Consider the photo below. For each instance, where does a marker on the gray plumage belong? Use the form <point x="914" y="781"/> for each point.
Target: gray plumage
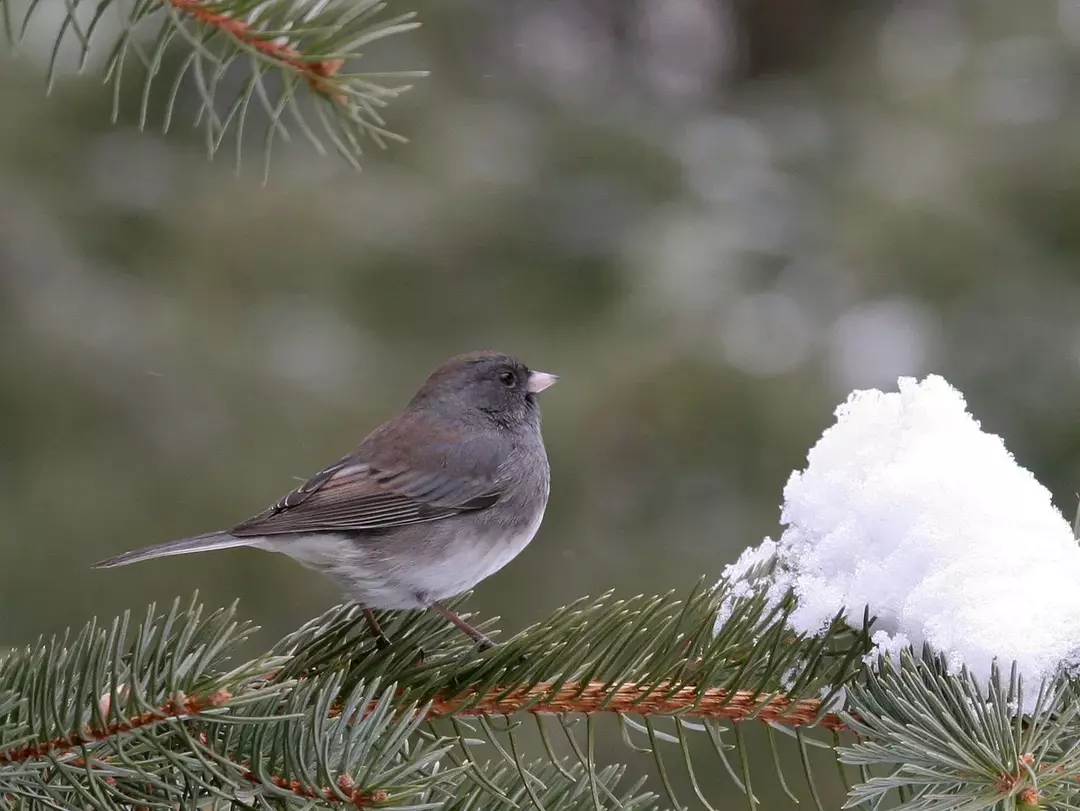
<point x="428" y="505"/>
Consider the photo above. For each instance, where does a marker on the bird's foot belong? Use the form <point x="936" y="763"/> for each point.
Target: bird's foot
<point x="482" y="641"/>
<point x="382" y="641"/>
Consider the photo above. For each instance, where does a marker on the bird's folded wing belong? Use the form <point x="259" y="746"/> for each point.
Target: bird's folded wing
<point x="353" y="496"/>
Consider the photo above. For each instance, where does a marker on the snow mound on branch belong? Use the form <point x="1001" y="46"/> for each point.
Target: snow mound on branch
<point x="907" y="506"/>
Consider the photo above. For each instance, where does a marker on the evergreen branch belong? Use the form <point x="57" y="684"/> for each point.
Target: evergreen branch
<point x="300" y="752"/>
<point x="286" y="750"/>
<point x="659" y="645"/>
<point x="119" y="680"/>
<point x="354" y="796"/>
<point x="318" y="73"/>
<point x="297" y="43"/>
<point x="155" y="716"/>
<point x="951" y="743"/>
<point x="645" y="656"/>
<point x="549" y="787"/>
<point x="598" y="698"/>
<point x="87" y="711"/>
<point x="177" y="707"/>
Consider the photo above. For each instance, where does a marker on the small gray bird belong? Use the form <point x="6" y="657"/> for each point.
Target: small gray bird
<point x="429" y="504"/>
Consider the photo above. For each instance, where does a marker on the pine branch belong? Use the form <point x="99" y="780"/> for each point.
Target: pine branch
<point x="948" y="741"/>
<point x="656" y="657"/>
<point x="154" y="714"/>
<point x="177" y="707"/>
<point x="597" y="697"/>
<point x="289" y="57"/>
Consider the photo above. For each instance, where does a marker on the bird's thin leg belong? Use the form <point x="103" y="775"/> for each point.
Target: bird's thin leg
<point x="382" y="641"/>
<point x="481" y="640"/>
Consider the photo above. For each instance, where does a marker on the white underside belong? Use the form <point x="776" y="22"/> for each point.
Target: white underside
<point x="380" y="577"/>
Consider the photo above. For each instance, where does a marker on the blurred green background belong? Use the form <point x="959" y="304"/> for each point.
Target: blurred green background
<point x="713" y="218"/>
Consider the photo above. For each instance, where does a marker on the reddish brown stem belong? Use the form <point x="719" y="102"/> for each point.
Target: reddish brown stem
<point x="597" y="697"/>
<point x="572" y="697"/>
<point x="356" y="797"/>
<point x="315" y="71"/>
<point x="180" y="705"/>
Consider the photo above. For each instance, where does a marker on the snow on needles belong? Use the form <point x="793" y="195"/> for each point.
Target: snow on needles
<point x="908" y="507"/>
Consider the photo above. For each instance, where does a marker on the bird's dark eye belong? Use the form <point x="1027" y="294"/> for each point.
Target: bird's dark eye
<point x="508" y="378"/>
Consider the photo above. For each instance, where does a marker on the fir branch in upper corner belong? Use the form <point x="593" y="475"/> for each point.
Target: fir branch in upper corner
<point x="292" y="58"/>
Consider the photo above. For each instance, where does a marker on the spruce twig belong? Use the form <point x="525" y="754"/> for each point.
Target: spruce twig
<point x="290" y="57"/>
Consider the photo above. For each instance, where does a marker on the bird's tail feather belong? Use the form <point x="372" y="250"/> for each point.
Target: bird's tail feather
<point x="196" y="543"/>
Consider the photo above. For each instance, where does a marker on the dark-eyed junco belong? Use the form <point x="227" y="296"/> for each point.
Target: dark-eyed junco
<point x="431" y="503"/>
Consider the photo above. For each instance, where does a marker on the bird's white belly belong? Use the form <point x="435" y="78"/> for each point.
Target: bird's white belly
<point x="472" y="562"/>
<point x="384" y="577"/>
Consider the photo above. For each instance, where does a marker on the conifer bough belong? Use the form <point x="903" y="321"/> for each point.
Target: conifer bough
<point x="286" y="63"/>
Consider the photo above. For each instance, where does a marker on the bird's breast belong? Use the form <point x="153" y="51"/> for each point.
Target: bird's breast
<point x="475" y="552"/>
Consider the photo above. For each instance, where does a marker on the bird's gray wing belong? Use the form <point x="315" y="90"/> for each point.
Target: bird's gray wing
<point x="354" y="496"/>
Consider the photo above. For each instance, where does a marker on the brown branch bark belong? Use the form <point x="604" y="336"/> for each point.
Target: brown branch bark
<point x="597" y="697"/>
<point x="177" y="707"/>
<point x="543" y="698"/>
<point x="356" y="797"/>
<point x="316" y="72"/>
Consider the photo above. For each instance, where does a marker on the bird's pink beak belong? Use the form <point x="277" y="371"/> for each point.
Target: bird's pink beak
<point x="538" y="381"/>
